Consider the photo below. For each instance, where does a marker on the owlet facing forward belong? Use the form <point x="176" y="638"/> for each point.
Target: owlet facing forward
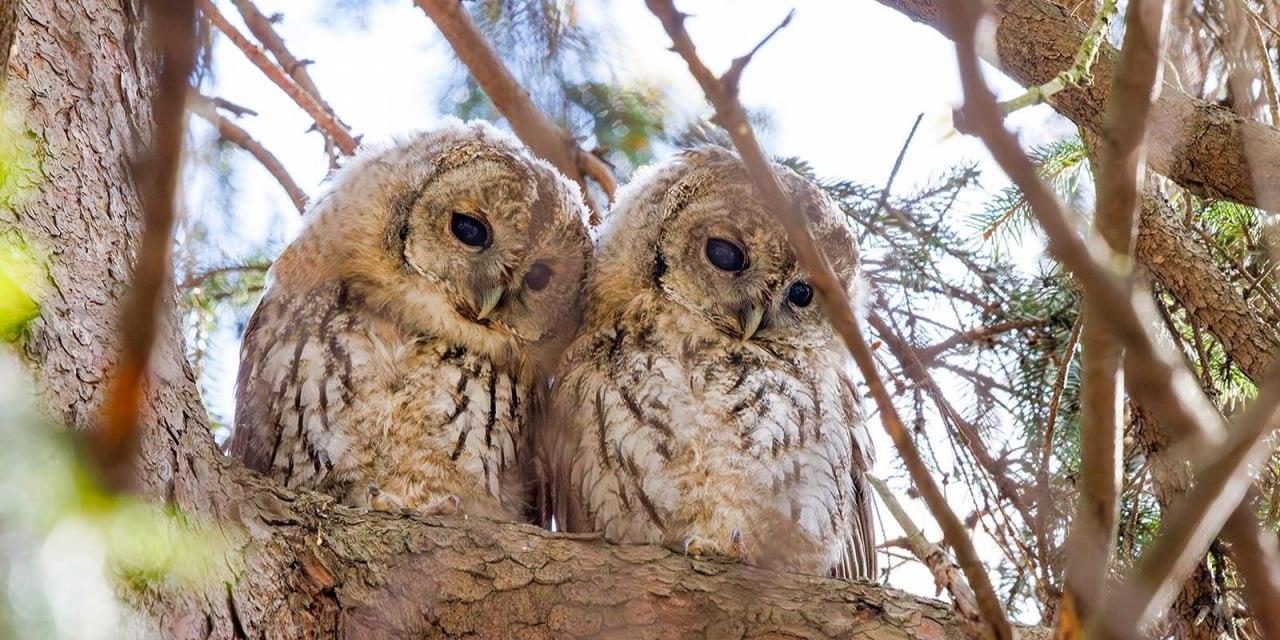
<point x="705" y="402"/>
<point x="397" y="354"/>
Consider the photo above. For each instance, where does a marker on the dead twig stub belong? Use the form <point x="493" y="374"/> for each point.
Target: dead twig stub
<point x="235" y="134"/>
<point x="946" y="575"/>
<point x="325" y="121"/>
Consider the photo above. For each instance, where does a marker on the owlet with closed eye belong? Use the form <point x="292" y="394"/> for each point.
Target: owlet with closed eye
<point x="705" y="404"/>
<point x="397" y="355"/>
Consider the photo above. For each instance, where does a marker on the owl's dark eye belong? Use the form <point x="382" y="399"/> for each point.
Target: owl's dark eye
<point x="725" y="255"/>
<point x="800" y="294"/>
<point x="538" y="277"/>
<point x="470" y="231"/>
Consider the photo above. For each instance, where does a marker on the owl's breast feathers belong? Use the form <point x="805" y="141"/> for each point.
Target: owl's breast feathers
<point x="333" y="398"/>
<point x="669" y="431"/>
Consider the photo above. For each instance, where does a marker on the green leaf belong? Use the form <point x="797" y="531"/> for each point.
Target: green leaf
<point x="21" y="275"/>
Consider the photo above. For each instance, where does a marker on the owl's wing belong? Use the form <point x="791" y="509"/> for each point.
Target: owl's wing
<point x="859" y="561"/>
<point x="557" y="434"/>
<point x="295" y="381"/>
<point x="589" y="406"/>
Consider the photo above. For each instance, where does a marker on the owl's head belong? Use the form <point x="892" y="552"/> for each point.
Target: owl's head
<point x="458" y="232"/>
<point x="694" y="232"/>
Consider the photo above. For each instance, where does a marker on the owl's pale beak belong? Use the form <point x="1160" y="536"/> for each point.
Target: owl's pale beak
<point x="488" y="301"/>
<point x="751" y="321"/>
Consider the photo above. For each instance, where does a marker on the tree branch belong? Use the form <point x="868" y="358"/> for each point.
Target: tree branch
<point x="1091" y="540"/>
<point x="113" y="444"/>
<point x="1198" y="145"/>
<point x="325" y="121"/>
<point x="1223" y="478"/>
<point x="353" y="574"/>
<point x="230" y="131"/>
<point x="263" y="29"/>
<point x="1257" y="557"/>
<point x="969" y="436"/>
<point x="731" y="116"/>
<point x="1186" y="269"/>
<point x="1045" y="495"/>
<point x="543" y="137"/>
<point x="1080" y="71"/>
<point x="1164" y="382"/>
<point x="946" y="575"/>
<point x="976" y="334"/>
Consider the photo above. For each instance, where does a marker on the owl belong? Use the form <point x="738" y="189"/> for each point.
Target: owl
<point x="401" y="346"/>
<point x="705" y="404"/>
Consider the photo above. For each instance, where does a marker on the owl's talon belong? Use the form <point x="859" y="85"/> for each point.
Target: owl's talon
<point x="738" y="548"/>
<point x="696" y="545"/>
<point x="445" y="506"/>
<point x="380" y="500"/>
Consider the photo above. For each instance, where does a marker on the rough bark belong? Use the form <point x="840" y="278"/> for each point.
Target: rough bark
<point x="321" y="571"/>
<point x="1186" y="268"/>
<point x="1199" y="145"/>
<point x="82" y="76"/>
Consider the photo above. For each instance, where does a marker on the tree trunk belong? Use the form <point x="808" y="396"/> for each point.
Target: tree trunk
<point x="82" y="76"/>
<point x="1196" y="613"/>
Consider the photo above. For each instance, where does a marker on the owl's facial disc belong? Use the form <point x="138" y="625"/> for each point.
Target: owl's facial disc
<point x="728" y="261"/>
<point x="496" y="252"/>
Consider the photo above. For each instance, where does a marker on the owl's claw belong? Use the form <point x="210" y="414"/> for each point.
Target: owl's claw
<point x="696" y="545"/>
<point x="443" y="506"/>
<point x="380" y="500"/>
<point x="738" y="545"/>
<point x="693" y="540"/>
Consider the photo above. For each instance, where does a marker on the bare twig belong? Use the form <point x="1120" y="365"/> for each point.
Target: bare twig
<point x="532" y="126"/>
<point x="1045" y="498"/>
<point x="263" y="29"/>
<point x="977" y="334"/>
<point x="1091" y="541"/>
<point x="968" y="434"/>
<point x="236" y="110"/>
<point x="1223" y="476"/>
<point x="733" y="76"/>
<point x="897" y="163"/>
<point x="325" y="121"/>
<point x="113" y="443"/>
<point x="1163" y="382"/>
<point x="232" y="132"/>
<point x="731" y="116"/>
<point x="946" y="575"/>
<point x="199" y="279"/>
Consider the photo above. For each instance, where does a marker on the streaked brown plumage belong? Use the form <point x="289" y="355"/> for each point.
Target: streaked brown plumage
<point x="710" y="407"/>
<point x="396" y="356"/>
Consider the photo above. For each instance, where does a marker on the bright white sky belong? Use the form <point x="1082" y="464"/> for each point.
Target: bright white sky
<point x="844" y="83"/>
